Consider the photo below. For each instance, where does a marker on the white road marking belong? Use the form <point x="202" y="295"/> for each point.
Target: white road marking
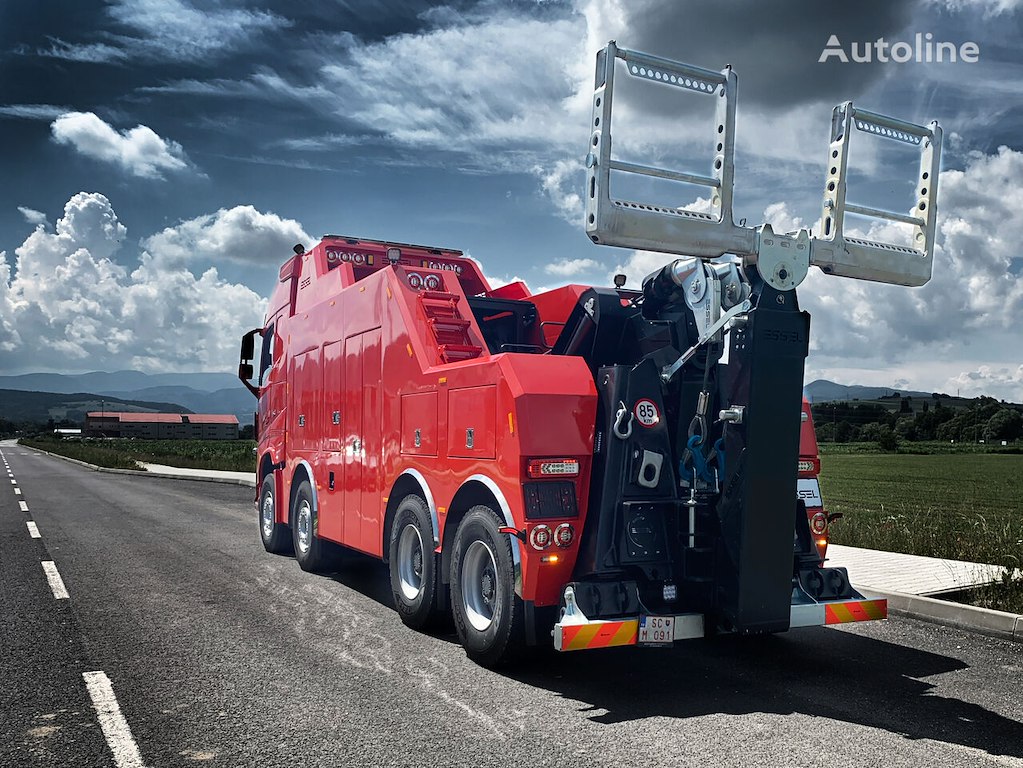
<point x="14" y="482"/>
<point x="33" y="530"/>
<point x="115" y="727"/>
<point x="56" y="582"/>
<point x="23" y="505"/>
<point x="17" y="491"/>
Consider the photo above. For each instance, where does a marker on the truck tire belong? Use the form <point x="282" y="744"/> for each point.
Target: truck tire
<point x="275" y="536"/>
<point x="413" y="564"/>
<point x="488" y="614"/>
<point x="312" y="553"/>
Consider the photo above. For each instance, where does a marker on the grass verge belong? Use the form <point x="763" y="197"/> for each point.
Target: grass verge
<point x="957" y="506"/>
<point x="230" y="455"/>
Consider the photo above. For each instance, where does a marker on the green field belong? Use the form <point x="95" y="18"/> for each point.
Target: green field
<point x="234" y="455"/>
<point x="960" y="506"/>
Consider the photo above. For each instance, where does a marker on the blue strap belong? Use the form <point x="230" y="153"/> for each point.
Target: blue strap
<point x="699" y="460"/>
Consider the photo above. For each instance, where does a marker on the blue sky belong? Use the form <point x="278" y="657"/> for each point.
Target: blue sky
<point x="161" y="157"/>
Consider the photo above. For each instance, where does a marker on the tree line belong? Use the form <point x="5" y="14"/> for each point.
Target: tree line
<point x="982" y="419"/>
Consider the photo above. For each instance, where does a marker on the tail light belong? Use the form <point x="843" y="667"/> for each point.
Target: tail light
<point x="818" y="523"/>
<point x="539" y="468"/>
<point x="564" y="535"/>
<point x="809" y="466"/>
<point x="540" y="537"/>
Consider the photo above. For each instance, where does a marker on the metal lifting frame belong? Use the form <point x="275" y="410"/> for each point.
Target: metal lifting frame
<point x="783" y="260"/>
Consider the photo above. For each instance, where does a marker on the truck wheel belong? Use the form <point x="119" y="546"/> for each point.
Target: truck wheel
<point x="311" y="552"/>
<point x="275" y="536"/>
<point x="413" y="564"/>
<point x="488" y="615"/>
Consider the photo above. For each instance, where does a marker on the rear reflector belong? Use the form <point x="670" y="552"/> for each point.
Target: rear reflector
<point x="563" y="535"/>
<point x="538" y="468"/>
<point x="540" y="537"/>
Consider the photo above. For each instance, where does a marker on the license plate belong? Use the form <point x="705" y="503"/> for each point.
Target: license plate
<point x="656" y="630"/>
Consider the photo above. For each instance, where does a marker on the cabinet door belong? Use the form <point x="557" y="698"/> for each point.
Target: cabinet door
<point x="330" y="478"/>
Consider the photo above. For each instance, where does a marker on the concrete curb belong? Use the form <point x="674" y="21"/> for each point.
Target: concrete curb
<point x="148" y="473"/>
<point x="1007" y="626"/>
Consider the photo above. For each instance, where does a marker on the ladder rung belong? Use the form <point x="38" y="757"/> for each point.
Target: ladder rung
<point x="449" y="352"/>
<point x="880" y="213"/>
<point x="448" y="323"/>
<point x="663" y="173"/>
<point x="439" y="296"/>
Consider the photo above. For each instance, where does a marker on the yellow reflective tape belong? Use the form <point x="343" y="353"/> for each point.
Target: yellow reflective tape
<point x="626" y="634"/>
<point x="511" y="423"/>
<point x="409" y="348"/>
<point x="582" y="638"/>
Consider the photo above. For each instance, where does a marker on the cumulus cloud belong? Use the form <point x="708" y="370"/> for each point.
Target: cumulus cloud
<point x="970" y="309"/>
<point x="67" y="302"/>
<point x="240" y="234"/>
<point x="569" y="267"/>
<point x="31" y="215"/>
<point x="139" y="151"/>
<point x="1003" y="383"/>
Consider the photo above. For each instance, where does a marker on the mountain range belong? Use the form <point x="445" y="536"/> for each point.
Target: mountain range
<point x="196" y="392"/>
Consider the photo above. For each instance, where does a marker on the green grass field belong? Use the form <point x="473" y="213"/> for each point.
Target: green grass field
<point x="960" y="506"/>
<point x="234" y="455"/>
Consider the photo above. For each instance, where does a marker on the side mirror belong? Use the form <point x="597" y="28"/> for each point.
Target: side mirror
<point x="245" y="370"/>
<point x="249" y="345"/>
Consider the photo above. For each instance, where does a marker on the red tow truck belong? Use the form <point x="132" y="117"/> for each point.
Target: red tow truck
<point x="588" y="466"/>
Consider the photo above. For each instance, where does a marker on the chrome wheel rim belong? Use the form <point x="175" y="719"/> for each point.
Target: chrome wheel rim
<point x="479" y="585"/>
<point x="410" y="562"/>
<point x="267" y="515"/>
<point x="304" y="525"/>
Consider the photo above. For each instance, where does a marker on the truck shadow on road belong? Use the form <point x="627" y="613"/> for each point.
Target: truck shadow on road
<point x="817" y="672"/>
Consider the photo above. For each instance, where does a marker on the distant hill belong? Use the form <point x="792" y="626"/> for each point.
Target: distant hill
<point x="191" y="392"/>
<point x="822" y="390"/>
<point x="119" y="381"/>
<point x="19" y="406"/>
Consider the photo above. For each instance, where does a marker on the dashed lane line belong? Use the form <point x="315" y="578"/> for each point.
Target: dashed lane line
<point x="33" y="529"/>
<point x="115" y="728"/>
<point x="23" y="505"/>
<point x="17" y="491"/>
<point x="56" y="582"/>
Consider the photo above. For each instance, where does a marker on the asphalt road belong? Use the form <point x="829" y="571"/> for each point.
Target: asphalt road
<point x="220" y="654"/>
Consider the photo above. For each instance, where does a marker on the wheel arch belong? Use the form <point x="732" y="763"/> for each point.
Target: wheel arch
<point x="479" y="490"/>
<point x="302" y="472"/>
<point x="410" y="481"/>
<point x="267" y="466"/>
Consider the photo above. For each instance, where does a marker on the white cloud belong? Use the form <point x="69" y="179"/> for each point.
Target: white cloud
<point x="479" y="83"/>
<point x="176" y="30"/>
<point x="31" y="215"/>
<point x="1003" y="383"/>
<point x="32" y="111"/>
<point x="240" y="234"/>
<point x="967" y="315"/>
<point x="66" y="303"/>
<point x="139" y="151"/>
<point x="569" y="267"/>
<point x="93" y="53"/>
<point x="988" y="7"/>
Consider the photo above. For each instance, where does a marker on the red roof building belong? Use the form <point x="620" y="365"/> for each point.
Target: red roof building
<point x="162" y="426"/>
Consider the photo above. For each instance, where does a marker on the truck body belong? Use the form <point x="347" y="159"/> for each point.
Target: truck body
<point x="588" y="466"/>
